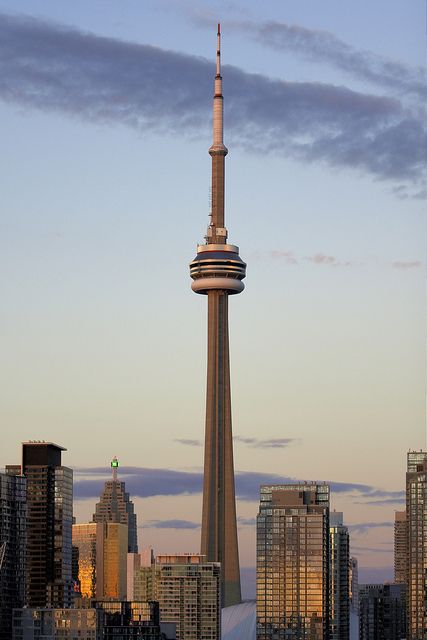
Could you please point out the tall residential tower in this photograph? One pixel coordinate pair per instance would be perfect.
(217, 272)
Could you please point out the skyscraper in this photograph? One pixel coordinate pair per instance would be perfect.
(382, 612)
(188, 591)
(416, 514)
(217, 271)
(115, 506)
(400, 548)
(339, 578)
(12, 549)
(102, 553)
(293, 562)
(49, 522)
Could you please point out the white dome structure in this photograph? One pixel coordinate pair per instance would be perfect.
(239, 621)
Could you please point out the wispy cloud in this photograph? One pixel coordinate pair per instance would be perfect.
(286, 256)
(330, 261)
(364, 527)
(143, 482)
(409, 264)
(266, 443)
(370, 550)
(171, 524)
(325, 48)
(189, 442)
(246, 522)
(103, 80)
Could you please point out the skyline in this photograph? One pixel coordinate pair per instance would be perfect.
(83, 347)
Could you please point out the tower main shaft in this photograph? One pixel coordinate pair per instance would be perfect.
(217, 272)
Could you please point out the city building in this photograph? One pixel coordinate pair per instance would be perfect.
(416, 513)
(106, 620)
(187, 589)
(102, 559)
(217, 271)
(339, 597)
(136, 561)
(400, 548)
(12, 549)
(52, 624)
(49, 521)
(353, 581)
(382, 612)
(293, 562)
(115, 506)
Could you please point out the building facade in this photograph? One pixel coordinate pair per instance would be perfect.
(188, 590)
(116, 506)
(217, 272)
(400, 548)
(49, 521)
(12, 549)
(102, 559)
(339, 598)
(353, 582)
(416, 514)
(382, 612)
(293, 562)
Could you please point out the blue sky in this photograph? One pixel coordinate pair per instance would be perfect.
(105, 193)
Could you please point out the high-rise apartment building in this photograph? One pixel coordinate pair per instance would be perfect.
(293, 562)
(217, 272)
(353, 585)
(382, 612)
(339, 598)
(188, 591)
(416, 513)
(116, 506)
(12, 549)
(400, 548)
(49, 521)
(102, 559)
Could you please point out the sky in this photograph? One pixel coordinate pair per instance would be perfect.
(105, 176)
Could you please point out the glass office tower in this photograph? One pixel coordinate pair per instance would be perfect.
(339, 598)
(49, 521)
(12, 549)
(293, 562)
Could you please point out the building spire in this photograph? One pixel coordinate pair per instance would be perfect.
(217, 233)
(114, 467)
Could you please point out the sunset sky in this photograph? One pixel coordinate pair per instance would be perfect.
(104, 175)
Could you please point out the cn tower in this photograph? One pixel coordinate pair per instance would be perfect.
(217, 271)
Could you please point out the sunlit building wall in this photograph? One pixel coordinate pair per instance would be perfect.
(293, 562)
(53, 624)
(416, 513)
(85, 540)
(400, 547)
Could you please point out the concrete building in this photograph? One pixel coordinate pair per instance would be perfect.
(400, 548)
(187, 589)
(382, 612)
(102, 559)
(136, 561)
(106, 620)
(217, 271)
(12, 549)
(293, 562)
(353, 581)
(116, 506)
(416, 513)
(49, 520)
(339, 598)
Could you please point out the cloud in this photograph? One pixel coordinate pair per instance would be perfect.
(325, 48)
(143, 482)
(189, 442)
(370, 550)
(246, 522)
(286, 256)
(402, 264)
(331, 261)
(102, 80)
(171, 524)
(364, 527)
(268, 443)
(384, 502)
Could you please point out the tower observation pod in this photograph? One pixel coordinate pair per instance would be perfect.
(217, 272)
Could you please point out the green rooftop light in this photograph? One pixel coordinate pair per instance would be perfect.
(114, 463)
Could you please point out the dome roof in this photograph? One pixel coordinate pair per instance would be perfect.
(239, 621)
